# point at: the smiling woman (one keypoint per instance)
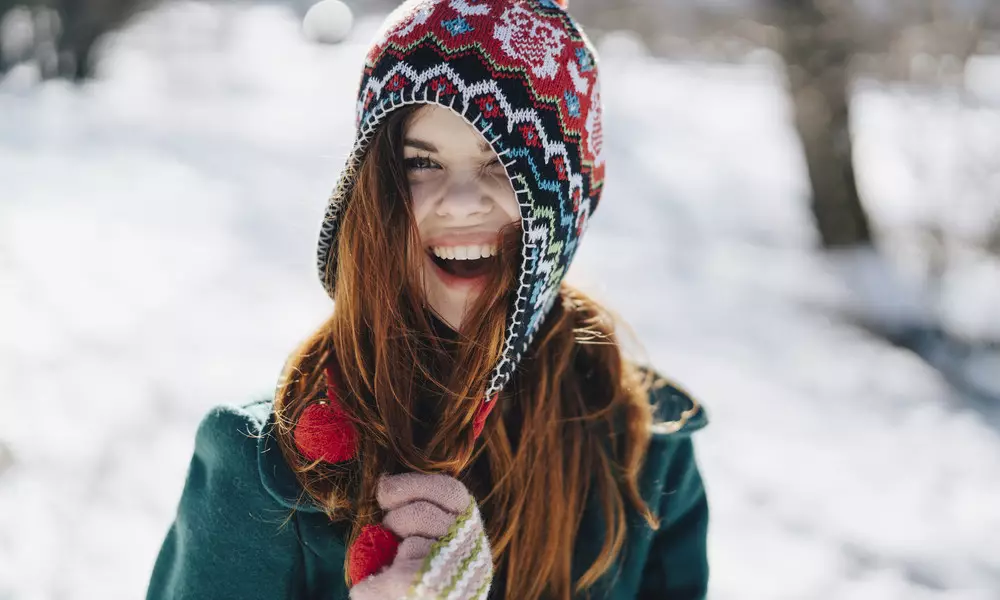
(461, 200)
(465, 424)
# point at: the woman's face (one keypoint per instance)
(461, 200)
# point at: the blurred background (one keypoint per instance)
(801, 221)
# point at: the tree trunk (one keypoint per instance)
(84, 22)
(817, 51)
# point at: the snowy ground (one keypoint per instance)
(156, 243)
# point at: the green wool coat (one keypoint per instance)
(237, 536)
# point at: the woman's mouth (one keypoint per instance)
(464, 263)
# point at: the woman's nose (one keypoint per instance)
(463, 199)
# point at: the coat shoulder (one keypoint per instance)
(276, 476)
(230, 537)
(676, 412)
(244, 438)
(227, 437)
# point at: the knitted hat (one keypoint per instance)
(522, 73)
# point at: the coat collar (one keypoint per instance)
(275, 474)
(676, 412)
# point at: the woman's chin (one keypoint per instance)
(447, 303)
(449, 295)
(450, 307)
(447, 312)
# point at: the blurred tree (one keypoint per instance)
(818, 48)
(65, 33)
(83, 23)
(8, 55)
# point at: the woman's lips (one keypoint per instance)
(454, 281)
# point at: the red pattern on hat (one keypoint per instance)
(515, 40)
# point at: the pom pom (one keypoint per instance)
(374, 549)
(563, 4)
(324, 431)
(328, 22)
(479, 421)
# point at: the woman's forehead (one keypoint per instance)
(445, 131)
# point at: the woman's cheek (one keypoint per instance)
(419, 195)
(508, 202)
(501, 189)
(422, 193)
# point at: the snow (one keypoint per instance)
(934, 167)
(982, 77)
(328, 22)
(157, 230)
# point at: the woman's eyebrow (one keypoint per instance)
(420, 144)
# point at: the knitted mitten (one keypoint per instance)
(444, 551)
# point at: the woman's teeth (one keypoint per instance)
(464, 252)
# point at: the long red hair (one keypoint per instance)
(574, 420)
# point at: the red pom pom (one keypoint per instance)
(375, 548)
(562, 3)
(479, 421)
(325, 432)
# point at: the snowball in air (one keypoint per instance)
(327, 22)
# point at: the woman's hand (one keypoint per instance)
(444, 551)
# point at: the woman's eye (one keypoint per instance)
(419, 163)
(495, 169)
(493, 166)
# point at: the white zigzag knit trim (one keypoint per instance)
(468, 91)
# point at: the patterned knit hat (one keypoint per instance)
(523, 73)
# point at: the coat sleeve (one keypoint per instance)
(677, 564)
(230, 538)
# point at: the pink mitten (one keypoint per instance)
(444, 553)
